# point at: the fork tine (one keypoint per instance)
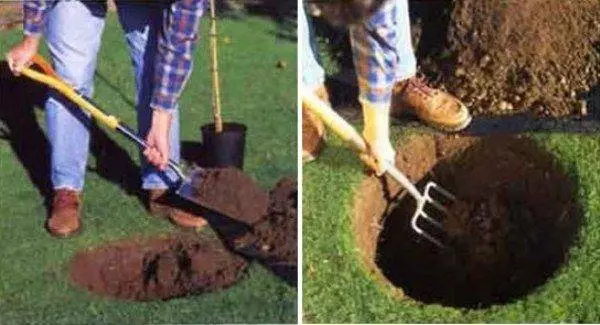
(440, 190)
(425, 234)
(434, 222)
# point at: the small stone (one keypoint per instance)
(583, 109)
(573, 94)
(505, 106)
(460, 72)
(563, 80)
(281, 64)
(484, 61)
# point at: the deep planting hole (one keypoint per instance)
(517, 218)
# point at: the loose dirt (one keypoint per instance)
(11, 15)
(260, 226)
(499, 56)
(512, 229)
(157, 268)
(231, 192)
(271, 235)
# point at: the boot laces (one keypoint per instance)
(65, 199)
(420, 86)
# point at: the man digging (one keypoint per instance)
(161, 37)
(386, 68)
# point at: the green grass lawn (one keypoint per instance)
(34, 287)
(337, 288)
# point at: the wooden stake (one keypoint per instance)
(215, 70)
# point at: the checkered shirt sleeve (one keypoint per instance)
(34, 15)
(175, 51)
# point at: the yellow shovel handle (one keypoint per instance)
(334, 121)
(51, 79)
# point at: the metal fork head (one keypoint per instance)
(420, 212)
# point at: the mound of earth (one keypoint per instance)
(258, 225)
(157, 268)
(512, 228)
(504, 56)
(271, 218)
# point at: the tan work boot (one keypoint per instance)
(434, 107)
(65, 212)
(162, 203)
(313, 130)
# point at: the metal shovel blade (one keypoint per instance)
(185, 189)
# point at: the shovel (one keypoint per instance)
(345, 131)
(51, 79)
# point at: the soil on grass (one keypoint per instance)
(500, 56)
(277, 233)
(270, 234)
(512, 229)
(11, 15)
(157, 268)
(189, 263)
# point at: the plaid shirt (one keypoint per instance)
(176, 43)
(374, 54)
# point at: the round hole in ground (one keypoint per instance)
(512, 229)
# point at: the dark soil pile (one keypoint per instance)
(252, 223)
(277, 234)
(271, 235)
(512, 229)
(231, 192)
(158, 268)
(505, 56)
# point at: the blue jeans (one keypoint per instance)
(312, 72)
(73, 34)
(313, 75)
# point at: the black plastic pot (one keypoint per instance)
(225, 149)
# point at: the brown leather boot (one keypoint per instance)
(162, 203)
(313, 130)
(65, 216)
(434, 107)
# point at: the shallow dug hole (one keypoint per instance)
(157, 268)
(511, 231)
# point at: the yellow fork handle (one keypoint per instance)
(50, 79)
(335, 122)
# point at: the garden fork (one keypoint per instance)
(345, 131)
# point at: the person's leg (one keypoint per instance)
(73, 34)
(141, 23)
(313, 75)
(434, 107)
(407, 61)
(313, 79)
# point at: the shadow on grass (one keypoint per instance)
(20, 100)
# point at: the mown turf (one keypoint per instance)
(338, 289)
(34, 288)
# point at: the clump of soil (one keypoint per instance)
(157, 268)
(271, 218)
(511, 230)
(231, 192)
(277, 233)
(504, 56)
